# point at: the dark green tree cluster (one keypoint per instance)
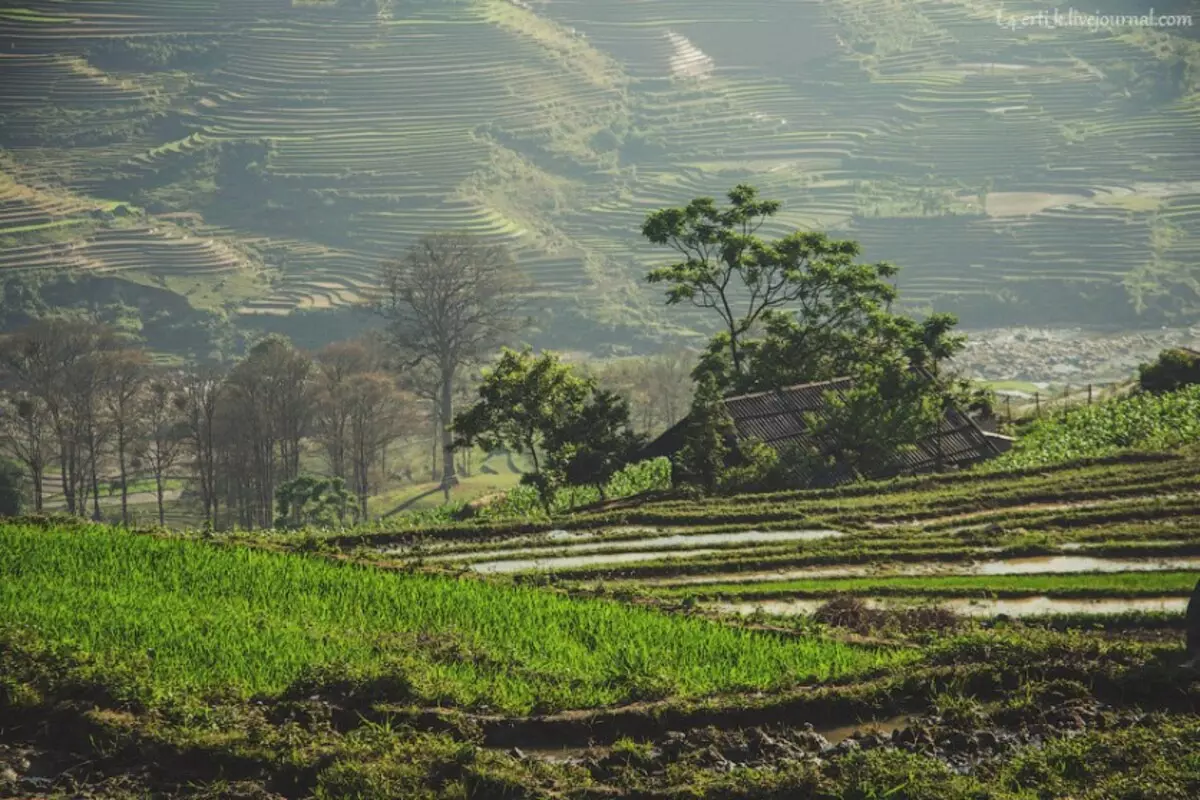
(1174, 369)
(12, 488)
(574, 432)
(311, 500)
(801, 309)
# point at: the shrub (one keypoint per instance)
(1144, 421)
(12, 488)
(1173, 370)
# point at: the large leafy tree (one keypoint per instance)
(522, 399)
(594, 443)
(804, 290)
(573, 431)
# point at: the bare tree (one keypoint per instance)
(378, 415)
(165, 433)
(451, 301)
(337, 365)
(52, 360)
(199, 395)
(124, 374)
(26, 433)
(269, 405)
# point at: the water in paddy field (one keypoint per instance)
(1041, 565)
(1012, 607)
(566, 562)
(655, 543)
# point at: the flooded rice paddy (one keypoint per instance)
(1040, 565)
(1011, 607)
(552, 552)
(566, 562)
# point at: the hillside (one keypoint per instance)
(1008, 635)
(257, 158)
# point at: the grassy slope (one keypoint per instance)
(191, 616)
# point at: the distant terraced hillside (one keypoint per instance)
(259, 157)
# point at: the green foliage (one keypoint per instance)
(12, 488)
(1143, 421)
(868, 428)
(522, 399)
(252, 621)
(750, 283)
(1173, 370)
(309, 500)
(594, 443)
(708, 441)
(525, 502)
(757, 468)
(576, 433)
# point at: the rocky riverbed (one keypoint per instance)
(1066, 355)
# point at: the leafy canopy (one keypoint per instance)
(575, 432)
(792, 310)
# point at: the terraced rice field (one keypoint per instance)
(556, 126)
(373, 665)
(1118, 533)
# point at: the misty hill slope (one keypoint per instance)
(261, 156)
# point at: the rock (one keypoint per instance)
(845, 746)
(517, 753)
(1193, 624)
(811, 741)
(871, 741)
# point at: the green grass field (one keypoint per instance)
(193, 617)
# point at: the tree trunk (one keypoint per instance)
(124, 475)
(537, 468)
(68, 496)
(95, 485)
(437, 441)
(158, 487)
(36, 474)
(449, 478)
(734, 354)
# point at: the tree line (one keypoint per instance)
(80, 398)
(82, 402)
(79, 401)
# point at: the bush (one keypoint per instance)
(1174, 369)
(12, 488)
(525, 500)
(1144, 422)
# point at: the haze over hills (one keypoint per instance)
(207, 167)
